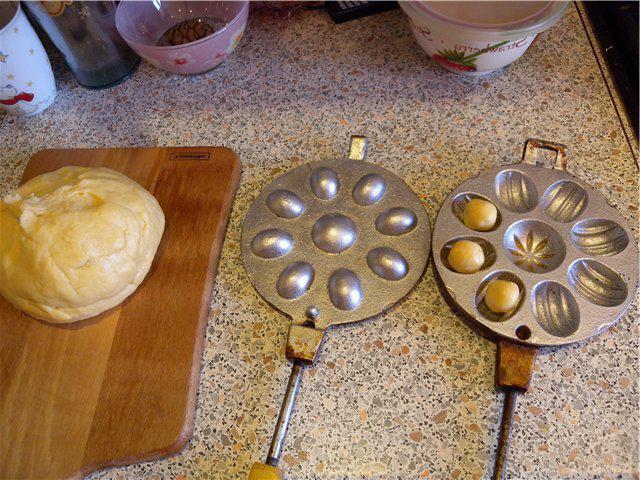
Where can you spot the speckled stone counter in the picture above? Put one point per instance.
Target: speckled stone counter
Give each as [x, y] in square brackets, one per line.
[410, 394]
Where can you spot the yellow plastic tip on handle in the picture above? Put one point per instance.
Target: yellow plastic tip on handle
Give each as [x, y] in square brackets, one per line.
[260, 471]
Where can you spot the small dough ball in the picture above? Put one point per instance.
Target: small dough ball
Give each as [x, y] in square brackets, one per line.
[466, 256]
[480, 215]
[502, 296]
[76, 242]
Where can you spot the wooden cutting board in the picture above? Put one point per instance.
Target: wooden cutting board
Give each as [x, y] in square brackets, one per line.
[120, 388]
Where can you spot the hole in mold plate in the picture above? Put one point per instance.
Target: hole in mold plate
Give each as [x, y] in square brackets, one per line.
[481, 306]
[523, 332]
[599, 236]
[597, 283]
[534, 246]
[460, 202]
[487, 249]
[564, 201]
[516, 191]
[555, 309]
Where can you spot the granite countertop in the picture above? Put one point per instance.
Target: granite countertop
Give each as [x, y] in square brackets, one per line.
[411, 394]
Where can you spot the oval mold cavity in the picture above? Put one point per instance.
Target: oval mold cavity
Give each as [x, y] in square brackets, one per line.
[324, 183]
[599, 236]
[516, 191]
[345, 291]
[564, 201]
[396, 221]
[555, 309]
[482, 307]
[369, 189]
[271, 243]
[534, 246]
[333, 233]
[285, 204]
[597, 283]
[460, 202]
[387, 263]
[487, 249]
[295, 280]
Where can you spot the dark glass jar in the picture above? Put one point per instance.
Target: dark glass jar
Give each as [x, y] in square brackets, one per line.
[85, 33]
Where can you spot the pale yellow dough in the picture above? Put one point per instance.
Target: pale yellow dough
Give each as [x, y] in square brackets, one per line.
[76, 242]
[466, 256]
[480, 215]
[502, 296]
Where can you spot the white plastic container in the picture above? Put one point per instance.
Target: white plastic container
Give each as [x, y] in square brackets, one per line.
[27, 86]
[476, 38]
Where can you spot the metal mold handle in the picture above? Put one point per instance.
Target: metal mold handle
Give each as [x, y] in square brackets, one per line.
[534, 150]
[303, 345]
[357, 147]
[284, 417]
[514, 367]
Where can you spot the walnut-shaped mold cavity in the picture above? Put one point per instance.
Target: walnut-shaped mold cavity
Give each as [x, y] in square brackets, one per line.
[482, 307]
[295, 280]
[285, 204]
[324, 183]
[369, 190]
[534, 246]
[487, 249]
[396, 221]
[599, 236]
[345, 290]
[564, 201]
[333, 233]
[516, 191]
[555, 309]
[460, 202]
[597, 283]
[271, 243]
[387, 263]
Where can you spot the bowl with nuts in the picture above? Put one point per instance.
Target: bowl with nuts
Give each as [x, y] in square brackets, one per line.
[182, 37]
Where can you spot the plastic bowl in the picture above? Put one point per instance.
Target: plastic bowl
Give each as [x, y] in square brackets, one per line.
[142, 23]
[476, 38]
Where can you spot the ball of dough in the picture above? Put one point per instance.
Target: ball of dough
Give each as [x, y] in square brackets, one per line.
[466, 256]
[76, 242]
[480, 215]
[502, 296]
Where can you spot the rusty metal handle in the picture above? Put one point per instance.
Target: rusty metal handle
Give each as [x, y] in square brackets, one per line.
[533, 148]
[500, 469]
[514, 367]
[284, 417]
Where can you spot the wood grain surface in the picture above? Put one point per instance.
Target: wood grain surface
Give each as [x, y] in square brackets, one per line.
[121, 387]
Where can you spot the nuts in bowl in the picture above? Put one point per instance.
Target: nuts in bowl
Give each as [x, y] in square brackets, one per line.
[182, 37]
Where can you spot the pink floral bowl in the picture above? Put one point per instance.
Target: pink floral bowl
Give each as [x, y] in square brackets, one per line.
[142, 23]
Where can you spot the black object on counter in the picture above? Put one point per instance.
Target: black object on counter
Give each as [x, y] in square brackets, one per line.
[616, 26]
[343, 11]
[86, 35]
